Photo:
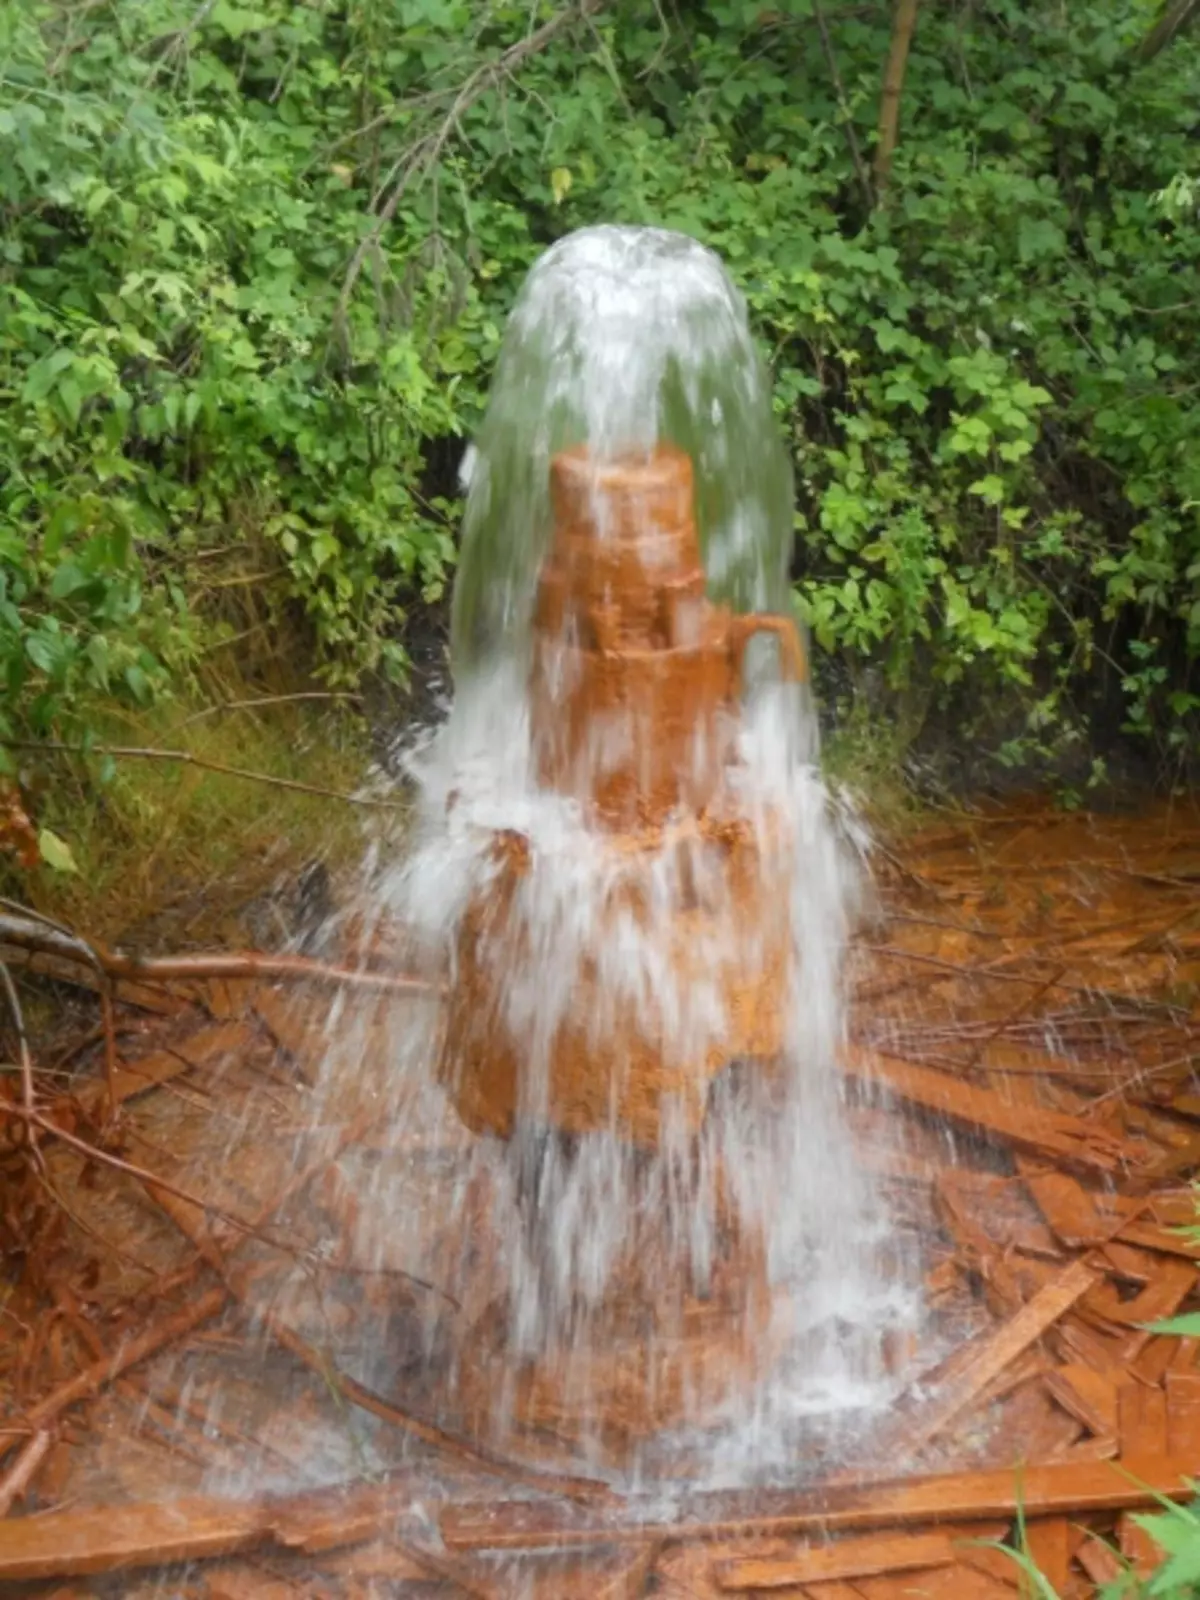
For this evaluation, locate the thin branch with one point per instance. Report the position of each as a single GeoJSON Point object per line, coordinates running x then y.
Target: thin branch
{"type": "Point", "coordinates": [265, 700]}
{"type": "Point", "coordinates": [211, 964]}
{"type": "Point", "coordinates": [426, 151]}
{"type": "Point", "coordinates": [847, 120]}
{"type": "Point", "coordinates": [27, 1095]}
{"type": "Point", "coordinates": [152, 1339]}
{"type": "Point", "coordinates": [110, 964]}
{"type": "Point", "coordinates": [429, 1433]}
{"type": "Point", "coordinates": [132, 1170]}
{"type": "Point", "coordinates": [173, 44]}
{"type": "Point", "coordinates": [187, 758]}
{"type": "Point", "coordinates": [110, 1046]}
{"type": "Point", "coordinates": [15, 1482]}
{"type": "Point", "coordinates": [18, 1018]}
{"type": "Point", "coordinates": [252, 965]}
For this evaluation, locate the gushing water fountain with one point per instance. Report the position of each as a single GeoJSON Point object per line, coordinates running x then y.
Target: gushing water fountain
{"type": "Point", "coordinates": [625, 851]}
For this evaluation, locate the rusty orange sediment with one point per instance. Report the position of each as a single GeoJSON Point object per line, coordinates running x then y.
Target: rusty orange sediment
{"type": "Point", "coordinates": [635, 682]}
{"type": "Point", "coordinates": [634, 686]}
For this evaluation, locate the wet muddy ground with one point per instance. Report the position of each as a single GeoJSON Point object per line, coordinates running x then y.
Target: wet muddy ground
{"type": "Point", "coordinates": [234, 1399]}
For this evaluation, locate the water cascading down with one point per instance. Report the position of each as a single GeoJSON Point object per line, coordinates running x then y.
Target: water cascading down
{"type": "Point", "coordinates": [639, 886]}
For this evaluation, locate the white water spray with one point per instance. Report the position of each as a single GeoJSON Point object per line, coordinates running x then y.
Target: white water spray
{"type": "Point", "coordinates": [624, 341]}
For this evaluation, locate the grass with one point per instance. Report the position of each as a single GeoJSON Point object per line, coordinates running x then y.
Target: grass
{"type": "Point", "coordinates": [867, 757]}
{"type": "Point", "coordinates": [172, 853]}
{"type": "Point", "coordinates": [1175, 1530]}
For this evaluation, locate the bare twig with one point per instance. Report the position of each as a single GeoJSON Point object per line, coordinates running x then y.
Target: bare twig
{"type": "Point", "coordinates": [173, 44]}
{"type": "Point", "coordinates": [147, 1343]}
{"type": "Point", "coordinates": [424, 153]}
{"type": "Point", "coordinates": [18, 1018]}
{"type": "Point", "coordinates": [299, 969]}
{"type": "Point", "coordinates": [109, 965]}
{"type": "Point", "coordinates": [93, 1152]}
{"type": "Point", "coordinates": [26, 1060]}
{"type": "Point", "coordinates": [196, 1312]}
{"type": "Point", "coordinates": [847, 120]}
{"type": "Point", "coordinates": [123, 752]}
{"type": "Point", "coordinates": [19, 1476]}
{"type": "Point", "coordinates": [266, 700]}
{"type": "Point", "coordinates": [110, 1046]}
{"type": "Point", "coordinates": [993, 972]}
{"type": "Point", "coordinates": [573, 1488]}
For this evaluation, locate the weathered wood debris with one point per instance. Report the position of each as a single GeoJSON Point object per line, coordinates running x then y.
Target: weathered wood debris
{"type": "Point", "coordinates": [171, 1424]}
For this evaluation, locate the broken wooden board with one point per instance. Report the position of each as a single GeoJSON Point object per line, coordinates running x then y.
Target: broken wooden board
{"type": "Point", "coordinates": [1052, 1489]}
{"type": "Point", "coordinates": [1024, 1014]}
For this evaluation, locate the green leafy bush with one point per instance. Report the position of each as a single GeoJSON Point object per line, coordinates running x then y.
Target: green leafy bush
{"type": "Point", "coordinates": [174, 245]}
{"type": "Point", "coordinates": [257, 258]}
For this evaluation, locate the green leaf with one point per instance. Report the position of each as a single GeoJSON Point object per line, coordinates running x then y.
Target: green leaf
{"type": "Point", "coordinates": [56, 852]}
{"type": "Point", "coordinates": [990, 488]}
{"type": "Point", "coordinates": [139, 684]}
{"type": "Point", "coordinates": [43, 374]}
{"type": "Point", "coordinates": [1186, 1326]}
{"type": "Point", "coordinates": [67, 580]}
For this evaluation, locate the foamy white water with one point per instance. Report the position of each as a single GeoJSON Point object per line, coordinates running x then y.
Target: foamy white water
{"type": "Point", "coordinates": [623, 340]}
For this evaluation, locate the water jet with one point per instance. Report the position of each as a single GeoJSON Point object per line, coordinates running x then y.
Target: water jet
{"type": "Point", "coordinates": [629, 858]}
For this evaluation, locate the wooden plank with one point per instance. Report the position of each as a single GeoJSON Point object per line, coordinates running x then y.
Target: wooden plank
{"type": "Point", "coordinates": [848, 1558]}
{"type": "Point", "coordinates": [1150, 1236]}
{"type": "Point", "coordinates": [1050, 1545]}
{"type": "Point", "coordinates": [994, 1351]}
{"type": "Point", "coordinates": [1151, 1365]}
{"type": "Point", "coordinates": [1163, 1294]}
{"type": "Point", "coordinates": [1087, 1395]}
{"type": "Point", "coordinates": [995, 1210]}
{"type": "Point", "coordinates": [592, 1575]}
{"type": "Point", "coordinates": [1099, 1561]}
{"type": "Point", "coordinates": [997, 1563]}
{"type": "Point", "coordinates": [1108, 1356]}
{"type": "Point", "coordinates": [979, 1546]}
{"type": "Point", "coordinates": [962, 1582]}
{"type": "Point", "coordinates": [684, 1572]}
{"type": "Point", "coordinates": [1142, 1420]}
{"type": "Point", "coordinates": [1101, 1448]}
{"type": "Point", "coordinates": [75, 1542]}
{"type": "Point", "coordinates": [1055, 1489]}
{"type": "Point", "coordinates": [1068, 1141]}
{"type": "Point", "coordinates": [1183, 1414]}
{"type": "Point", "coordinates": [1074, 1213]}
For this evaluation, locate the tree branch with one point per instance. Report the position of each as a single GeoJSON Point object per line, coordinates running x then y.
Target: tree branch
{"type": "Point", "coordinates": [1177, 16]}
{"type": "Point", "coordinates": [424, 153]}
{"type": "Point", "coordinates": [860, 170]}
{"type": "Point", "coordinates": [187, 758]}
{"type": "Point", "coordinates": [903, 23]}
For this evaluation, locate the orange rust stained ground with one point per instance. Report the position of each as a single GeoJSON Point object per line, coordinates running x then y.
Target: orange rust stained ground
{"type": "Point", "coordinates": [1028, 977]}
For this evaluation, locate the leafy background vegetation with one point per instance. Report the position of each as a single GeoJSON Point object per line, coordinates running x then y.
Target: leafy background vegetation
{"type": "Point", "coordinates": [256, 259]}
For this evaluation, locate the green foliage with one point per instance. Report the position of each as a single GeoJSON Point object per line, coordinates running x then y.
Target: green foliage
{"type": "Point", "coordinates": [257, 257]}
{"type": "Point", "coordinates": [172, 254]}
{"type": "Point", "coordinates": [1175, 1530]}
